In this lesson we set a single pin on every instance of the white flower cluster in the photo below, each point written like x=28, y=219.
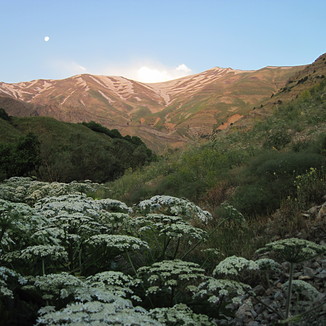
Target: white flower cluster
x=293, y=250
x=8, y=276
x=44, y=251
x=173, y=206
x=116, y=283
x=113, y=205
x=170, y=226
x=117, y=312
x=171, y=273
x=179, y=314
x=79, y=203
x=304, y=289
x=58, y=286
x=120, y=242
x=17, y=223
x=78, y=223
x=233, y=266
x=232, y=213
x=268, y=264
x=214, y=290
x=114, y=221
x=72, y=203
x=25, y=189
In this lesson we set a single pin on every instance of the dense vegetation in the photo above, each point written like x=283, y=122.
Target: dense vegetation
x=67, y=259
x=58, y=151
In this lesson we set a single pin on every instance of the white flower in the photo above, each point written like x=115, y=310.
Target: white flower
x=215, y=290
x=293, y=250
x=233, y=266
x=173, y=206
x=116, y=312
x=171, y=273
x=305, y=289
x=120, y=242
x=180, y=314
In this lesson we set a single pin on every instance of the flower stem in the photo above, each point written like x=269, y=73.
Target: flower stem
x=43, y=267
x=288, y=299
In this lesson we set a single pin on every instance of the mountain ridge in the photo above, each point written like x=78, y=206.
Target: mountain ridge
x=166, y=114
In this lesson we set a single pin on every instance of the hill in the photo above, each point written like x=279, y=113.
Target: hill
x=69, y=151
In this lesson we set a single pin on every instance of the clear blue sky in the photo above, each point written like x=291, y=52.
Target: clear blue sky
x=157, y=38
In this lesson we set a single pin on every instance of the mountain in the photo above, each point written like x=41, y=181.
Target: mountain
x=164, y=114
x=299, y=84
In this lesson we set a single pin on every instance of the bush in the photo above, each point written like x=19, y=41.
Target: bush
x=4, y=115
x=21, y=158
x=276, y=165
x=277, y=139
x=255, y=199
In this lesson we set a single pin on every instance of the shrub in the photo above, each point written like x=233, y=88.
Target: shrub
x=255, y=199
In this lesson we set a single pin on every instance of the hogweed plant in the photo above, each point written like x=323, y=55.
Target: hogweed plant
x=180, y=314
x=28, y=190
x=293, y=251
x=167, y=233
x=173, y=278
x=116, y=311
x=268, y=266
x=221, y=291
x=43, y=253
x=57, y=288
x=174, y=206
x=116, y=283
x=9, y=280
x=113, y=245
x=17, y=224
x=233, y=267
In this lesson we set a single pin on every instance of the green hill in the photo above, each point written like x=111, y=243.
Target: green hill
x=71, y=151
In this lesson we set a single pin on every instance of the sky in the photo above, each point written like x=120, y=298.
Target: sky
x=155, y=40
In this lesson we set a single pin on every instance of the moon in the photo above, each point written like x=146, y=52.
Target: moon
x=46, y=38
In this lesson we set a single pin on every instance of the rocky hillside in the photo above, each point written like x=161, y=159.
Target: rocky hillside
x=297, y=85
x=162, y=114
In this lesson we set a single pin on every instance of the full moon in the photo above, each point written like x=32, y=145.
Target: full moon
x=46, y=38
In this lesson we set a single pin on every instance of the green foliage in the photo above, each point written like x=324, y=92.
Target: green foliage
x=270, y=178
x=277, y=139
x=4, y=115
x=255, y=199
x=114, y=133
x=310, y=187
x=62, y=151
x=20, y=159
